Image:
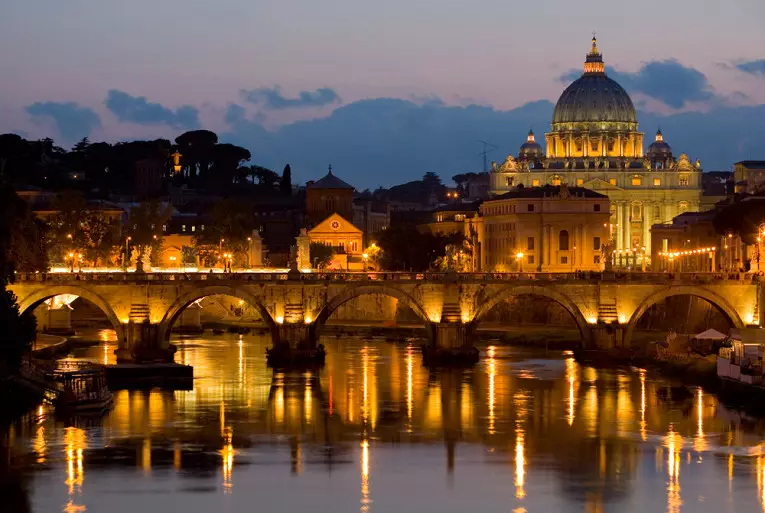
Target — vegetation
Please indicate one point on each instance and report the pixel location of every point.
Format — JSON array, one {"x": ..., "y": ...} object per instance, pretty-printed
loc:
[
  {"x": 404, "y": 248},
  {"x": 144, "y": 228},
  {"x": 286, "y": 184},
  {"x": 321, "y": 255},
  {"x": 22, "y": 248}
]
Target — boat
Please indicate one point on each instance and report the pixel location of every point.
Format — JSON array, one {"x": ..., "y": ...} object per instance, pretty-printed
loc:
[{"x": 82, "y": 391}]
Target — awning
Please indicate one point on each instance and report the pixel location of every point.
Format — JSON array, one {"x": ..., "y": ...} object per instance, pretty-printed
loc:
[{"x": 711, "y": 334}]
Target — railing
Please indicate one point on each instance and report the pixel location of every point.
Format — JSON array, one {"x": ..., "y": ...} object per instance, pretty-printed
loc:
[{"x": 586, "y": 277}]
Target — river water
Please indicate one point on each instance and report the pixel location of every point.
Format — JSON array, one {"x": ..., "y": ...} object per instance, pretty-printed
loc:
[{"x": 374, "y": 431}]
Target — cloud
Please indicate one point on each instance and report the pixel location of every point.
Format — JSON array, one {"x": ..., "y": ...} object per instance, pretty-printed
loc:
[
  {"x": 137, "y": 109},
  {"x": 387, "y": 141},
  {"x": 272, "y": 98},
  {"x": 667, "y": 81},
  {"x": 752, "y": 67},
  {"x": 72, "y": 120}
]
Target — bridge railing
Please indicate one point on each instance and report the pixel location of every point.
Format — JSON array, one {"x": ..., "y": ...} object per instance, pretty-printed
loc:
[{"x": 586, "y": 276}]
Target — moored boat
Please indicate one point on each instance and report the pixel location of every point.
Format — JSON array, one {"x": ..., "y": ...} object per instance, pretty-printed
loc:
[{"x": 83, "y": 391}]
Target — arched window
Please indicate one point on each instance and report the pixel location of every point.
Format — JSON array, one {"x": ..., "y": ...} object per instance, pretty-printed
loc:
[
  {"x": 563, "y": 240},
  {"x": 556, "y": 180},
  {"x": 637, "y": 211},
  {"x": 683, "y": 207}
]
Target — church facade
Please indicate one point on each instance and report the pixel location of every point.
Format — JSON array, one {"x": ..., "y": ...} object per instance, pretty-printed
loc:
[{"x": 594, "y": 142}]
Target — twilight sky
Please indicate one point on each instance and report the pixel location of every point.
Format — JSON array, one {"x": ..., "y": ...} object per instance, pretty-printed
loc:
[{"x": 303, "y": 81}]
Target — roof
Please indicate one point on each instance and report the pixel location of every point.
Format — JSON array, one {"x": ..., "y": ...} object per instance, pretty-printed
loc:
[
  {"x": 711, "y": 334},
  {"x": 755, "y": 164},
  {"x": 548, "y": 191},
  {"x": 458, "y": 207},
  {"x": 330, "y": 181},
  {"x": 594, "y": 98}
]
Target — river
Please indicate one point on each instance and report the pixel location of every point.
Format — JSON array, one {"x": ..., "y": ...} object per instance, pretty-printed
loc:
[{"x": 374, "y": 431}]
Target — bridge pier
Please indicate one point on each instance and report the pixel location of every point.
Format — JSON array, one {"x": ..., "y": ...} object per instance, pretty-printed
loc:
[
  {"x": 607, "y": 336},
  {"x": 295, "y": 344},
  {"x": 143, "y": 342},
  {"x": 451, "y": 345}
]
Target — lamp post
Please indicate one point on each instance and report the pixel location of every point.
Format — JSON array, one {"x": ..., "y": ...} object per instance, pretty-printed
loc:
[
  {"x": 249, "y": 253},
  {"x": 642, "y": 261},
  {"x": 221, "y": 257},
  {"x": 127, "y": 252},
  {"x": 365, "y": 257},
  {"x": 70, "y": 258},
  {"x": 519, "y": 259}
]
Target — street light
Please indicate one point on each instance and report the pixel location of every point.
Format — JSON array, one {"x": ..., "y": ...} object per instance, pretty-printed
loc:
[
  {"x": 365, "y": 257},
  {"x": 519, "y": 259},
  {"x": 127, "y": 252}
]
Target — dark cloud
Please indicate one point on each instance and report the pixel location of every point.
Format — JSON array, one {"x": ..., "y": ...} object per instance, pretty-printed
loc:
[
  {"x": 388, "y": 141},
  {"x": 272, "y": 98},
  {"x": 137, "y": 109},
  {"x": 667, "y": 81},
  {"x": 752, "y": 67},
  {"x": 72, "y": 120}
]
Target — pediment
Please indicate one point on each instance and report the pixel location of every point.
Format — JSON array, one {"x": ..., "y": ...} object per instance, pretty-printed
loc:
[
  {"x": 335, "y": 223},
  {"x": 598, "y": 184}
]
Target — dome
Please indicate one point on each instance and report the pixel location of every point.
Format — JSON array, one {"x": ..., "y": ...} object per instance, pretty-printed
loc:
[
  {"x": 659, "y": 148},
  {"x": 594, "y": 97},
  {"x": 531, "y": 148}
]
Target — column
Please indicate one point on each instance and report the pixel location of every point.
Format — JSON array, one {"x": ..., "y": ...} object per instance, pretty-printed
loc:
[
  {"x": 647, "y": 214},
  {"x": 583, "y": 247},
  {"x": 602, "y": 146},
  {"x": 628, "y": 226},
  {"x": 620, "y": 224},
  {"x": 586, "y": 145}
]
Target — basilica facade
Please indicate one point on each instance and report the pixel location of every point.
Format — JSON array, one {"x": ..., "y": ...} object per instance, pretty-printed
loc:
[{"x": 594, "y": 143}]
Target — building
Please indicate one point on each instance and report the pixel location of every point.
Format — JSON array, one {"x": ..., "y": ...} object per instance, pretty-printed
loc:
[
  {"x": 344, "y": 238},
  {"x": 594, "y": 143},
  {"x": 452, "y": 218},
  {"x": 543, "y": 229},
  {"x": 689, "y": 243},
  {"x": 749, "y": 176},
  {"x": 371, "y": 217},
  {"x": 326, "y": 196}
]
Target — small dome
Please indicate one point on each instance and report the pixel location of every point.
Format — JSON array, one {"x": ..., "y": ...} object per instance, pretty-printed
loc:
[
  {"x": 659, "y": 148},
  {"x": 531, "y": 148}
]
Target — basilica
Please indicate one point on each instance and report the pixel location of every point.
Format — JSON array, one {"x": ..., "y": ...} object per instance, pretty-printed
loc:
[{"x": 594, "y": 143}]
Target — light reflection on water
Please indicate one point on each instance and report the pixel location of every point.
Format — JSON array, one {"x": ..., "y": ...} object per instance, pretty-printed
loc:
[{"x": 519, "y": 432}]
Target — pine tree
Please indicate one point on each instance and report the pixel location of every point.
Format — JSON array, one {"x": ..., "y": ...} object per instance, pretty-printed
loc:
[{"x": 286, "y": 184}]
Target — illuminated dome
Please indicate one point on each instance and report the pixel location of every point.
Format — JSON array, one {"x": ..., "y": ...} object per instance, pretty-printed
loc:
[
  {"x": 659, "y": 148},
  {"x": 594, "y": 98},
  {"x": 531, "y": 148}
]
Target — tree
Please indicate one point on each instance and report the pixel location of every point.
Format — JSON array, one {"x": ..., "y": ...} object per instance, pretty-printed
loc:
[
  {"x": 405, "y": 248},
  {"x": 266, "y": 178},
  {"x": 286, "y": 183},
  {"x": 99, "y": 236},
  {"x": 228, "y": 158},
  {"x": 196, "y": 148},
  {"x": 321, "y": 255},
  {"x": 144, "y": 227},
  {"x": 17, "y": 229}
]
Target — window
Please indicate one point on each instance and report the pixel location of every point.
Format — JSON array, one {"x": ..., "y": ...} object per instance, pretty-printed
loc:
[
  {"x": 637, "y": 181},
  {"x": 636, "y": 212},
  {"x": 579, "y": 182},
  {"x": 657, "y": 213},
  {"x": 683, "y": 180},
  {"x": 530, "y": 259},
  {"x": 535, "y": 182},
  {"x": 596, "y": 243},
  {"x": 193, "y": 228},
  {"x": 596, "y": 259},
  {"x": 556, "y": 180},
  {"x": 530, "y": 207},
  {"x": 459, "y": 217},
  {"x": 564, "y": 260},
  {"x": 596, "y": 207},
  {"x": 530, "y": 244},
  {"x": 563, "y": 240},
  {"x": 164, "y": 227},
  {"x": 183, "y": 227},
  {"x": 657, "y": 182},
  {"x": 612, "y": 181}
]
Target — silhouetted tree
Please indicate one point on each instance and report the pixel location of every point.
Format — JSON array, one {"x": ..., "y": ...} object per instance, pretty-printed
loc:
[
  {"x": 196, "y": 147},
  {"x": 286, "y": 183},
  {"x": 321, "y": 255}
]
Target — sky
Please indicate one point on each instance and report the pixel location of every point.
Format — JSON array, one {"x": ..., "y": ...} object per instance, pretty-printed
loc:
[{"x": 384, "y": 91}]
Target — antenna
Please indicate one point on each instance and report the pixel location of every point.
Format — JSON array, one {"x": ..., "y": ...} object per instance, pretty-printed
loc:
[{"x": 487, "y": 148}]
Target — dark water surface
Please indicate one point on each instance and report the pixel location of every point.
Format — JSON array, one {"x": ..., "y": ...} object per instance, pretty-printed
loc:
[{"x": 376, "y": 432}]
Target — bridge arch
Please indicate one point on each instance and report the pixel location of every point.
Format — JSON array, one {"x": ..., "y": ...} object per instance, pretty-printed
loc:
[
  {"x": 350, "y": 293},
  {"x": 189, "y": 297},
  {"x": 535, "y": 290},
  {"x": 683, "y": 290},
  {"x": 37, "y": 297}
]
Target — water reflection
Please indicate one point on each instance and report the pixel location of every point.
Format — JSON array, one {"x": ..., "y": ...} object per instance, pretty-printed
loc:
[{"x": 560, "y": 432}]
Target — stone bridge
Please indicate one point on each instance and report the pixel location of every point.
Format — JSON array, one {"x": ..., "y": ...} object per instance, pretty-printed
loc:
[{"x": 606, "y": 307}]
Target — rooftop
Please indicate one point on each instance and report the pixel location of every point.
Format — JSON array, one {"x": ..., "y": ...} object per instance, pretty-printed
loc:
[
  {"x": 548, "y": 191},
  {"x": 330, "y": 181}
]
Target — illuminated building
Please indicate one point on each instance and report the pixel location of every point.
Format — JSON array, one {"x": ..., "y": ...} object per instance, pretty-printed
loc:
[{"x": 594, "y": 143}]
